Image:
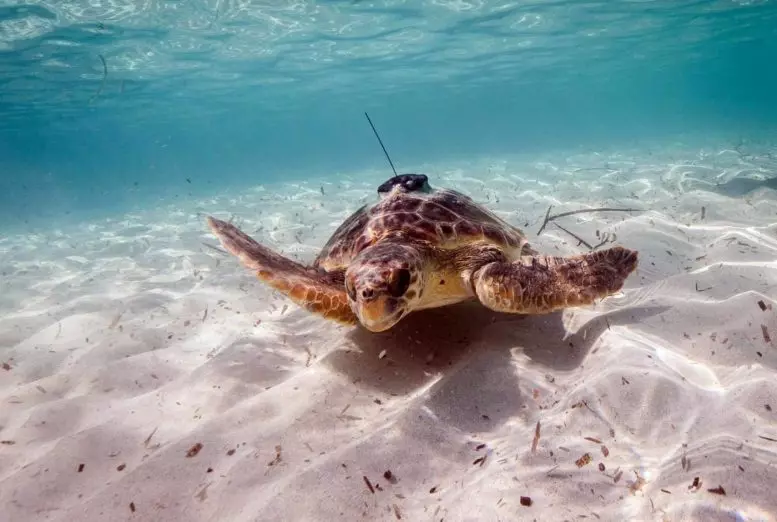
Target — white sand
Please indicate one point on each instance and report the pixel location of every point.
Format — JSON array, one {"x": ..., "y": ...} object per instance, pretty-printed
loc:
[{"x": 127, "y": 342}]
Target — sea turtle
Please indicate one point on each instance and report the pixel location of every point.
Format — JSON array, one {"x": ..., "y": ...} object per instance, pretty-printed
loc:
[{"x": 419, "y": 247}]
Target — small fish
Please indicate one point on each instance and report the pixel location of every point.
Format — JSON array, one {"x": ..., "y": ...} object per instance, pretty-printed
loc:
[{"x": 215, "y": 248}]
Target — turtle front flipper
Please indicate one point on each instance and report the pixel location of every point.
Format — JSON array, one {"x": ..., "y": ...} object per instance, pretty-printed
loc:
[
  {"x": 315, "y": 290},
  {"x": 542, "y": 284}
]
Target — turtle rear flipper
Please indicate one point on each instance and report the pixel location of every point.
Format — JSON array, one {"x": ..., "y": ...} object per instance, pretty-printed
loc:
[
  {"x": 542, "y": 284},
  {"x": 315, "y": 290}
]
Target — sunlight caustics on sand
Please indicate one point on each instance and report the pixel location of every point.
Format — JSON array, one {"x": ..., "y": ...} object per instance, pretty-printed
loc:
[{"x": 147, "y": 376}]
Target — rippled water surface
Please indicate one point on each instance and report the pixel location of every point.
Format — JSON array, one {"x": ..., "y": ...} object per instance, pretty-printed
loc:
[
  {"x": 217, "y": 55},
  {"x": 226, "y": 50}
]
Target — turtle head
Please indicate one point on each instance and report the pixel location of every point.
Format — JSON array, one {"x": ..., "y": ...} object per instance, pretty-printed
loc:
[{"x": 384, "y": 283}]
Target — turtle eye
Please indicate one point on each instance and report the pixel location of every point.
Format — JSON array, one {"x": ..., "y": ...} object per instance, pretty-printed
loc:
[
  {"x": 399, "y": 282},
  {"x": 350, "y": 290}
]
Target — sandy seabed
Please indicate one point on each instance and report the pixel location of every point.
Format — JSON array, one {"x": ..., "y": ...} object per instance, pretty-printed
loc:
[{"x": 148, "y": 377}]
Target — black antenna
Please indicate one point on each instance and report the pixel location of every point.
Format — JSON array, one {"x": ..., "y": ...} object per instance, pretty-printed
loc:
[{"x": 381, "y": 144}]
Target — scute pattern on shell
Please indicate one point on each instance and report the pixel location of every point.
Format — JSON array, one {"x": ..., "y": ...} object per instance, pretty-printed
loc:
[{"x": 444, "y": 217}]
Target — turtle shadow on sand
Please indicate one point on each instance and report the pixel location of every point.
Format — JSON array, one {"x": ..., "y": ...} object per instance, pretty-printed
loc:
[{"x": 467, "y": 349}]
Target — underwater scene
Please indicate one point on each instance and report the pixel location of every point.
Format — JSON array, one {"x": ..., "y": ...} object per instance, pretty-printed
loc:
[{"x": 418, "y": 260}]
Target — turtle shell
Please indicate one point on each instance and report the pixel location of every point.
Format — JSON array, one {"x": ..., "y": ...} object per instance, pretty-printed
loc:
[{"x": 441, "y": 217}]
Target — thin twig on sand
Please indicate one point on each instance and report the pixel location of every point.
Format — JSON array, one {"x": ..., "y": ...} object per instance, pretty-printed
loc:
[
  {"x": 581, "y": 240},
  {"x": 545, "y": 222},
  {"x": 587, "y": 210},
  {"x": 549, "y": 218}
]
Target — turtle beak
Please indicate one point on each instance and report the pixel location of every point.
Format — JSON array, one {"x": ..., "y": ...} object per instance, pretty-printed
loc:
[{"x": 378, "y": 314}]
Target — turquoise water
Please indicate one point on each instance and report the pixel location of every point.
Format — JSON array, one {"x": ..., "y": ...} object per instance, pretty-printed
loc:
[{"x": 204, "y": 95}]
